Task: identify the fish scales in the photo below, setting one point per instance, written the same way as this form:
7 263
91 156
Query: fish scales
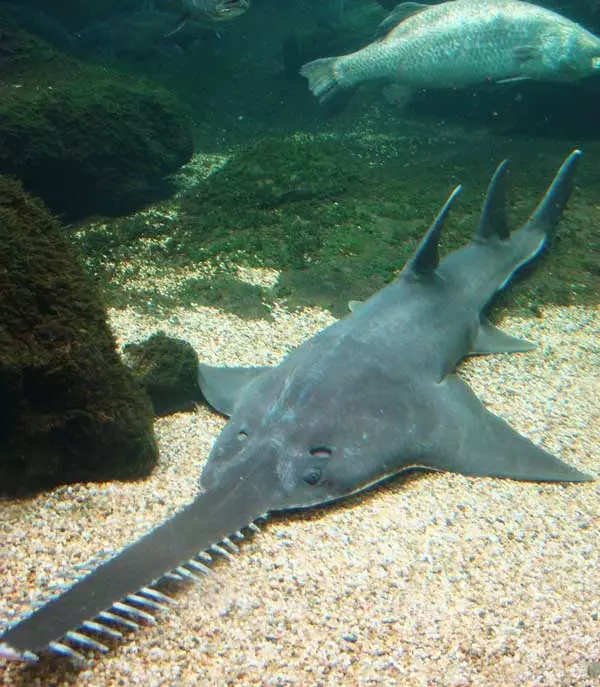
461 43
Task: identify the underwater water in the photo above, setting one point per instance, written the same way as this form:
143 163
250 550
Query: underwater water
210 196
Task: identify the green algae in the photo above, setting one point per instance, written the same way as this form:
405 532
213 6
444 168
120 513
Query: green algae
69 410
84 138
339 216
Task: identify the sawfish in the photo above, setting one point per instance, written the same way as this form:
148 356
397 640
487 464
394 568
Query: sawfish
370 396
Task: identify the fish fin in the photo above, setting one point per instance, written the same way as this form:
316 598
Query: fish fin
322 78
185 18
474 441
492 222
397 94
397 16
223 386
356 306
490 339
547 214
525 53
514 79
426 257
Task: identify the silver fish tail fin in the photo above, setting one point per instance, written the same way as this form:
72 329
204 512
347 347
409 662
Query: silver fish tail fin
322 79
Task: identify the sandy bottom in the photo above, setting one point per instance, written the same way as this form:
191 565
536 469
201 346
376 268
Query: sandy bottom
436 579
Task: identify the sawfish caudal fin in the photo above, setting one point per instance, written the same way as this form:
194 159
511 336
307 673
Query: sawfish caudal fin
546 216
223 386
474 441
544 220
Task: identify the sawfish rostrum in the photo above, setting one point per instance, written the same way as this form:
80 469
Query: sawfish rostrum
368 397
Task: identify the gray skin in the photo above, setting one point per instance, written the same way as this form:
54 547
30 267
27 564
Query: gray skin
462 43
370 396
375 393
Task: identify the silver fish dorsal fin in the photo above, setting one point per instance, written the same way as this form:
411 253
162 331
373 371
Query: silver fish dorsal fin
397 16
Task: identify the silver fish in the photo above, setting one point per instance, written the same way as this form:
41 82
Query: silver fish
462 43
207 12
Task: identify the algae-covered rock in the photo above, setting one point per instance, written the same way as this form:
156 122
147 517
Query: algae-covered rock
273 172
85 139
69 409
168 369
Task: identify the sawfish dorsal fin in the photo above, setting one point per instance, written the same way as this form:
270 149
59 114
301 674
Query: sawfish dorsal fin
492 222
427 257
223 386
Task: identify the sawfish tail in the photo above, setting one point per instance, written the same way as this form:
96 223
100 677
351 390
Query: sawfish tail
528 241
546 216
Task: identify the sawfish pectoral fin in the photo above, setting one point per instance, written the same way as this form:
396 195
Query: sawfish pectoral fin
477 442
490 339
223 386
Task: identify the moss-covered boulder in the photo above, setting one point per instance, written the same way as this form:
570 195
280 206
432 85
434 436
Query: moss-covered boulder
83 138
69 409
168 369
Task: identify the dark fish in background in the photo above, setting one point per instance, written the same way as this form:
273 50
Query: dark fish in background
207 11
462 43
148 32
135 34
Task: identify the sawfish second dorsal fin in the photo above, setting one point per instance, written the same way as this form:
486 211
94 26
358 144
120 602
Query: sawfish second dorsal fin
427 257
492 222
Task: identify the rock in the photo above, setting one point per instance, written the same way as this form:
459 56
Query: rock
168 369
69 409
83 138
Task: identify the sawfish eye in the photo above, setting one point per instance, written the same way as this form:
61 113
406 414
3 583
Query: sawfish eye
320 452
312 476
242 436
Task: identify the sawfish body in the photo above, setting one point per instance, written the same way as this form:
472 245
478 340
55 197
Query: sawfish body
368 397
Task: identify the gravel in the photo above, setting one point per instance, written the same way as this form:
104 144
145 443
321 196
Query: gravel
433 579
